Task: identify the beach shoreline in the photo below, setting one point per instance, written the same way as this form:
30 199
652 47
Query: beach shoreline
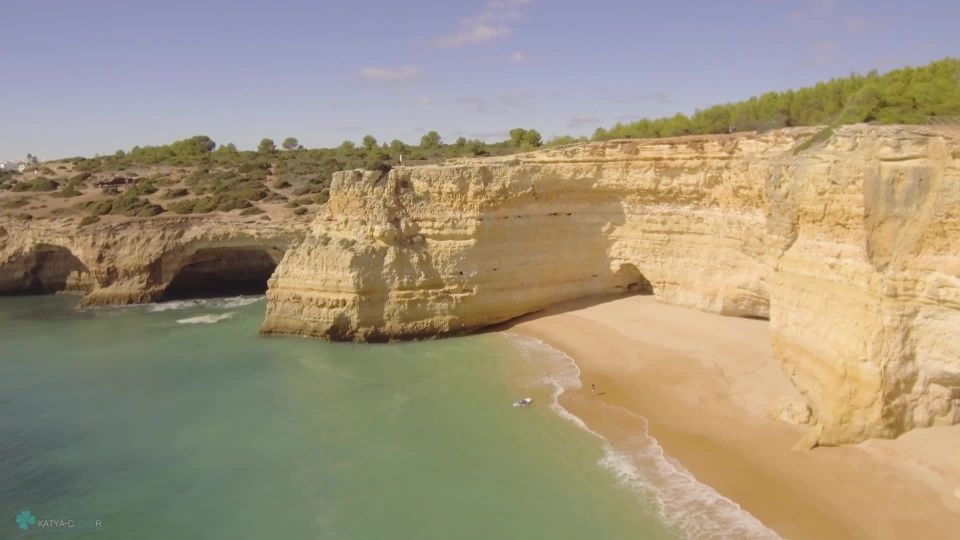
702 385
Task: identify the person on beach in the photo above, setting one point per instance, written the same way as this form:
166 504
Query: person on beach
593 387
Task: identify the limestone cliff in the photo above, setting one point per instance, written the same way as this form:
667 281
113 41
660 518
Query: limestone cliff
851 248
865 281
140 260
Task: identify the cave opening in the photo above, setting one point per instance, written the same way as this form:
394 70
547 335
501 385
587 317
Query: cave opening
629 278
51 269
217 272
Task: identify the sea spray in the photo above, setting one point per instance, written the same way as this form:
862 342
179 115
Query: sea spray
231 302
173 305
690 507
206 319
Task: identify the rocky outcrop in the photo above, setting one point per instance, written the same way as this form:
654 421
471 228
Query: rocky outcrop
140 260
433 250
865 280
850 248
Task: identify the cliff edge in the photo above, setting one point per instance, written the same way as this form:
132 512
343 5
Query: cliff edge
851 248
142 260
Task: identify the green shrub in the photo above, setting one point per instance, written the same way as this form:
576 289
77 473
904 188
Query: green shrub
125 205
228 203
906 95
97 208
254 166
89 220
141 188
175 193
78 179
181 207
204 205
37 184
92 165
66 192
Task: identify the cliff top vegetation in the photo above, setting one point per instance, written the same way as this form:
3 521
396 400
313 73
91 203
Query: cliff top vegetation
196 176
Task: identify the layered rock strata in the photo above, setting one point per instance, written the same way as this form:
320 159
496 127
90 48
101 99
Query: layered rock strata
140 260
851 248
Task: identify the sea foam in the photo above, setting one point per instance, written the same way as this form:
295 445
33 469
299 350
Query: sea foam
231 302
206 319
691 508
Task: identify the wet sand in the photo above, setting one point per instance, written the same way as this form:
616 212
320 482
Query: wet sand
702 385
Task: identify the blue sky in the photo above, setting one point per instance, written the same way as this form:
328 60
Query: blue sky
94 76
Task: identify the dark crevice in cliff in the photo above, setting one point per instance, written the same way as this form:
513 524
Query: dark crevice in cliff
45 270
629 278
214 272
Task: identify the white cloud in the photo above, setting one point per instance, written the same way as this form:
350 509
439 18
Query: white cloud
519 57
480 33
390 74
494 22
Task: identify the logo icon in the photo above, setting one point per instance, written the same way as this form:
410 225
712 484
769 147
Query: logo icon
25 519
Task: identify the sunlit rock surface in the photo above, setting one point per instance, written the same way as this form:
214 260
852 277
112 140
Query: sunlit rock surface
851 248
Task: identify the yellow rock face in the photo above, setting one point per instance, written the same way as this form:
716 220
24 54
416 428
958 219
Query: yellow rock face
865 297
851 249
134 261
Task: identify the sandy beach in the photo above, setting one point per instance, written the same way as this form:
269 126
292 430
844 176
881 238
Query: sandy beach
702 385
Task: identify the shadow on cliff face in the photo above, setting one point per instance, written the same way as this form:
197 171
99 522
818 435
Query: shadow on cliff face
629 278
559 233
220 271
46 269
540 241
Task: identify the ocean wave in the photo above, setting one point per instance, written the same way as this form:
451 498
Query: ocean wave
686 505
173 305
231 302
206 319
234 302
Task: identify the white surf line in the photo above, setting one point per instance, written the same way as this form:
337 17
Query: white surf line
229 302
206 319
683 503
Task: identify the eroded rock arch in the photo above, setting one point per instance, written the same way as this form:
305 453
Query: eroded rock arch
217 271
629 278
46 269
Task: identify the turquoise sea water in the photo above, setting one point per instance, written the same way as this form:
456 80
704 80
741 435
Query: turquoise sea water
178 421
